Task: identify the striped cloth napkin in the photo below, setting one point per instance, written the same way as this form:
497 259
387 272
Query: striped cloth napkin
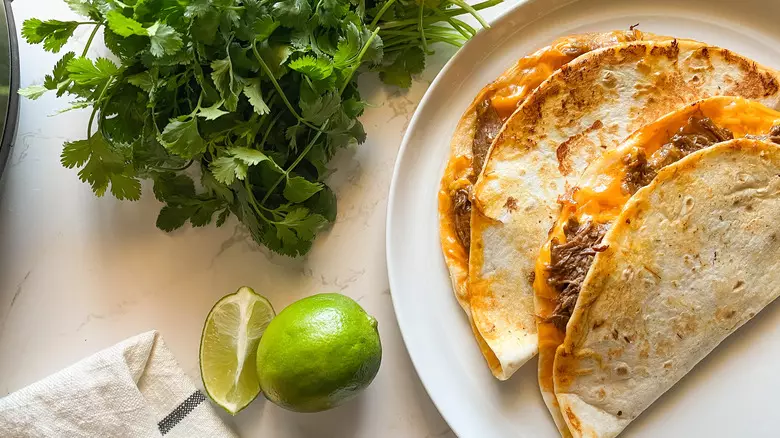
133 389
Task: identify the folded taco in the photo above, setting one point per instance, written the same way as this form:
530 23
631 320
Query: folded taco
580 112
690 258
589 209
473 135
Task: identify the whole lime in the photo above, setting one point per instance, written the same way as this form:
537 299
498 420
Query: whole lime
317 353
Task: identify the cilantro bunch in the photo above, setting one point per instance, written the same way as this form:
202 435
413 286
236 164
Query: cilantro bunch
250 98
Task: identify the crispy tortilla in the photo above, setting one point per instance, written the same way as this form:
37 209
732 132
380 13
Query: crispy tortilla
584 109
691 258
492 106
600 195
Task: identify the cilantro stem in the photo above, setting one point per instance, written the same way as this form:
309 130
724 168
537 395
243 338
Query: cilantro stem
462 27
84 53
359 59
433 31
174 169
252 200
436 19
268 130
279 88
91 37
471 11
421 28
405 42
95 108
292 166
381 12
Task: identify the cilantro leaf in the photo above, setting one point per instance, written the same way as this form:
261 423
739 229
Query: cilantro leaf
298 189
75 153
182 138
125 186
227 169
353 108
215 188
60 71
103 166
414 60
164 39
124 26
52 33
125 48
348 47
204 213
315 68
294 233
235 164
227 84
33 91
172 217
84 72
213 112
83 7
293 13
198 8
275 55
253 92
375 51
331 12
223 215
264 28
142 80
317 111
409 62
324 203
249 156
169 186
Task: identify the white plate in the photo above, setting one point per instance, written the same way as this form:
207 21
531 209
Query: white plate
728 394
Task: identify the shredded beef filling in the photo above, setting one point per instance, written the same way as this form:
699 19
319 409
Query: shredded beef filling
488 124
773 135
569 262
698 133
462 208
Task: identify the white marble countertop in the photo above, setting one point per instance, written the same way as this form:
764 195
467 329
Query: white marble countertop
80 273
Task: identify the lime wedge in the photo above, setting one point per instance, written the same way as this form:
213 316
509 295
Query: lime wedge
228 348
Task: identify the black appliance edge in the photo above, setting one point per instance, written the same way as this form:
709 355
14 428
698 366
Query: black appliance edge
12 118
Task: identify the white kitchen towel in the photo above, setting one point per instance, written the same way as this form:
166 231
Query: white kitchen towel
133 389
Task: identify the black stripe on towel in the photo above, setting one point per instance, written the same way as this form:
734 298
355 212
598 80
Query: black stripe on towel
181 411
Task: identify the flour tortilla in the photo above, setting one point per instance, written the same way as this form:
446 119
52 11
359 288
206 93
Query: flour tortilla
585 108
599 196
691 258
523 77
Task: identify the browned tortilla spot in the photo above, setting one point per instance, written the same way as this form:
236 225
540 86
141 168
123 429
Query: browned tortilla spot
562 153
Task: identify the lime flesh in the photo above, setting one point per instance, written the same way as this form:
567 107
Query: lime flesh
228 347
317 353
